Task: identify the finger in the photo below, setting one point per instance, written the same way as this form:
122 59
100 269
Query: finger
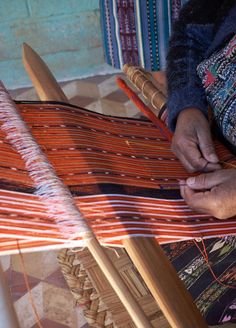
186 192
211 167
189 168
196 164
208 202
178 151
188 154
206 146
194 158
198 201
208 180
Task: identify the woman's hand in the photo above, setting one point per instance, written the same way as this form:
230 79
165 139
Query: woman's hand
192 142
212 193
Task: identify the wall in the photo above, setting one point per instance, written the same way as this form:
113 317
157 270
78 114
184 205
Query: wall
66 33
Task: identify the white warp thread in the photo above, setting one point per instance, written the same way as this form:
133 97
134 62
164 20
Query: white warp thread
52 191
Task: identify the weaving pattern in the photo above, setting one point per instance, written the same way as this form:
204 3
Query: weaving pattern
137 32
218 77
121 172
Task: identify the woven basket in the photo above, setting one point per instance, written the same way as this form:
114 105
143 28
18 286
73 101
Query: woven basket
102 308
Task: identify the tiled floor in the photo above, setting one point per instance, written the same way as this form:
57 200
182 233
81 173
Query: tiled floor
51 296
53 300
99 93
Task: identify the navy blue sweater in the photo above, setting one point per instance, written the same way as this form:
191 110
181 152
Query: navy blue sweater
203 27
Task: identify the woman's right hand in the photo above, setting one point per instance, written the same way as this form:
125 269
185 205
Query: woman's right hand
192 142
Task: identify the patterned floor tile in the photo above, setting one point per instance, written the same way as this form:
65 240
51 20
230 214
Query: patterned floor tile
50 324
96 106
38 264
131 110
57 279
58 304
24 308
5 262
16 283
81 88
82 101
110 107
117 95
107 86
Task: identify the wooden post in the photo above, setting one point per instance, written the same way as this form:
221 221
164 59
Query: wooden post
8 317
117 283
44 82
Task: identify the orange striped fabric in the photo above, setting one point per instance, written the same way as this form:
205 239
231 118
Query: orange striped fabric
121 172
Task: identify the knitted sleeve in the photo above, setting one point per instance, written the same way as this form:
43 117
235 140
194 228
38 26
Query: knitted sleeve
192 35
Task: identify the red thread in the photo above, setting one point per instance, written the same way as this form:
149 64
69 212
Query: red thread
206 258
144 109
28 287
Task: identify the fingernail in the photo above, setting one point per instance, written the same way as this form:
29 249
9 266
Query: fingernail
191 181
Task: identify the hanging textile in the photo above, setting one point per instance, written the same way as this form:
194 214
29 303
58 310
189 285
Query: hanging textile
137 32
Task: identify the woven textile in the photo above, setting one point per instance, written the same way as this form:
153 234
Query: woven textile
137 32
218 78
217 302
123 177
121 172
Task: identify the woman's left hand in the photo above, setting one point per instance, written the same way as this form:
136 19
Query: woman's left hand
212 193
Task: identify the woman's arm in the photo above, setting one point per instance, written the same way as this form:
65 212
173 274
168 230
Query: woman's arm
191 36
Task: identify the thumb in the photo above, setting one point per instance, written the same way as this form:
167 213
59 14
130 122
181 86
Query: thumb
198 201
207 180
206 145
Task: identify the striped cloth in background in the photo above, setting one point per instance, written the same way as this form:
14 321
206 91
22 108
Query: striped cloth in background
137 31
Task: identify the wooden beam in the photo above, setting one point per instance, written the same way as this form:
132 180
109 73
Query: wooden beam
8 316
41 77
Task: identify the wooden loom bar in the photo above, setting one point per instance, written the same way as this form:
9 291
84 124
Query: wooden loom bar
150 88
7 313
43 77
47 84
144 252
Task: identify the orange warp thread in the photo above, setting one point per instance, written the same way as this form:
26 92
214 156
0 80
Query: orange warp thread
36 314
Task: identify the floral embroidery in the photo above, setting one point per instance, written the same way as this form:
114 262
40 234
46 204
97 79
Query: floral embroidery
218 75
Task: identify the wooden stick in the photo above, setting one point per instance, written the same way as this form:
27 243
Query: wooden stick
90 240
120 288
41 77
7 312
153 91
